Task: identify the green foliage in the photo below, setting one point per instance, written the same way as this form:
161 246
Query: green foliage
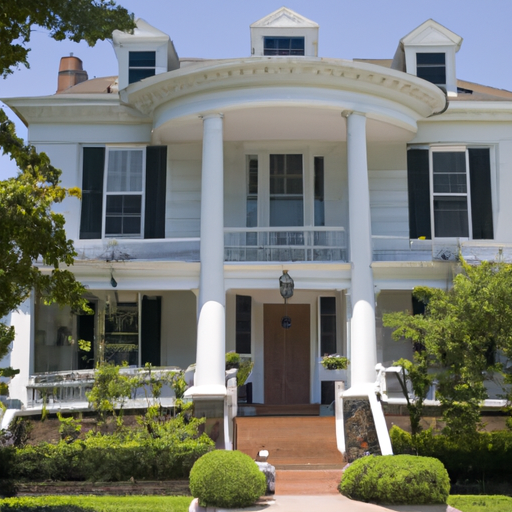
168 452
472 456
4 389
69 428
226 479
461 331
481 503
396 479
96 503
109 392
89 20
234 360
334 362
416 374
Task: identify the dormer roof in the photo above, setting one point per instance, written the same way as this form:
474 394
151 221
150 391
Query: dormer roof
432 33
142 33
284 18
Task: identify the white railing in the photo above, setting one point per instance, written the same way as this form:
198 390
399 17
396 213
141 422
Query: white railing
66 387
285 244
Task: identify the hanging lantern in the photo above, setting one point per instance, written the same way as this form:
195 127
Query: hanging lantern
286 285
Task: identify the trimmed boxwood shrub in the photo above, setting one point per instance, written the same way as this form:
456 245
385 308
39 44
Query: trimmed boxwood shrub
397 480
226 479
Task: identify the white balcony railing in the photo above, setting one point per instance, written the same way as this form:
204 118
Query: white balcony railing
285 244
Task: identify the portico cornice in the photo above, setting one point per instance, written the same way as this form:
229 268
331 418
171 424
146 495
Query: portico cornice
212 76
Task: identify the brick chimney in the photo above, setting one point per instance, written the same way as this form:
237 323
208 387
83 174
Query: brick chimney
70 73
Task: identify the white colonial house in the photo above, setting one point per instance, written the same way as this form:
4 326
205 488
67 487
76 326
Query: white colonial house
204 180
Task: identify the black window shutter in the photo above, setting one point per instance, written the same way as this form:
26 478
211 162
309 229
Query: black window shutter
156 172
481 200
151 316
418 184
92 192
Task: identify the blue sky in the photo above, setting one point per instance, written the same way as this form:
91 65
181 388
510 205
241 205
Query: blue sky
348 29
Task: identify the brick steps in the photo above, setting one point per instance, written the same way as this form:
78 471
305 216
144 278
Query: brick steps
302 448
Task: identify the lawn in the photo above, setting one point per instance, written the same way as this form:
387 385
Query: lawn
481 503
97 504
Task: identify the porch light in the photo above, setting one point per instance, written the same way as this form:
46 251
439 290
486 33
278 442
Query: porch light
286 285
113 282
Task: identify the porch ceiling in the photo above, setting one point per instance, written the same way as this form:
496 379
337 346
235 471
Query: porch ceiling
279 123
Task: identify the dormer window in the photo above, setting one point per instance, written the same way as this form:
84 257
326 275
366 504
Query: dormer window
283 46
431 67
141 65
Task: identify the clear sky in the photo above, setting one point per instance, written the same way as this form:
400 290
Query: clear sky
348 29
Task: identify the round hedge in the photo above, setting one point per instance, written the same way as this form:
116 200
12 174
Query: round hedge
396 480
226 479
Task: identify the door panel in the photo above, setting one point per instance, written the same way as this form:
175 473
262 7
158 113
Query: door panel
287 354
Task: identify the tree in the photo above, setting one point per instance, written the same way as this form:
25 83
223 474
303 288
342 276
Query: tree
30 232
462 331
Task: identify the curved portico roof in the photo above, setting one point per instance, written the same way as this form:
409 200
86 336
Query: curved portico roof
259 82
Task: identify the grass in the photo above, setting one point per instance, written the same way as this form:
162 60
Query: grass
97 504
481 503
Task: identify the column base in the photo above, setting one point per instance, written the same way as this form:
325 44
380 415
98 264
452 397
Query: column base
360 420
206 392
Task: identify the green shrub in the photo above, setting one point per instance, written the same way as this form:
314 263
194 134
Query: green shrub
396 479
168 452
466 456
226 479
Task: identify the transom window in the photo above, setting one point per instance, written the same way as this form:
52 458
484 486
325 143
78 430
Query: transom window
124 192
431 67
283 46
141 65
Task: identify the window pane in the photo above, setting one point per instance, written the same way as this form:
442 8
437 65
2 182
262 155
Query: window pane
252 213
131 225
450 172
283 46
451 217
434 74
327 325
113 225
125 169
123 215
243 324
136 75
142 59
319 191
286 211
430 58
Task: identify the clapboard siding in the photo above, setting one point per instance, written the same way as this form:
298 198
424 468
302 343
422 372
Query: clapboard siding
388 202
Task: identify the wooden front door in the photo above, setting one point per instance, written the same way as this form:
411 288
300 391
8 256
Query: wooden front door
286 354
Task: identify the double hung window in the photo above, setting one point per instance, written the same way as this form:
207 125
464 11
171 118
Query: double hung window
141 65
431 67
124 196
286 190
123 192
450 194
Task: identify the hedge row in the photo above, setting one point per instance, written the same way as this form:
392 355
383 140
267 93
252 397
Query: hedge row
463 456
168 454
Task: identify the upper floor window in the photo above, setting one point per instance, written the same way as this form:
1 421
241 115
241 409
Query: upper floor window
431 67
286 191
450 192
283 46
141 65
124 196
123 192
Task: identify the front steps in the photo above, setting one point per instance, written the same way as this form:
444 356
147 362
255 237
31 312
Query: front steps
302 448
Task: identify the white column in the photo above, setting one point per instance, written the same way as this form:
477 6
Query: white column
363 354
211 328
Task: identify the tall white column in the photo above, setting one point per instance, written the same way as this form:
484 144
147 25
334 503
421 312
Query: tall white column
363 356
211 328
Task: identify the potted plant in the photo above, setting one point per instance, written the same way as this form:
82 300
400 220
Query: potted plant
334 362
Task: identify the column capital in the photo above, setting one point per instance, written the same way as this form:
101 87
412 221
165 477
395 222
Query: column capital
347 113
211 116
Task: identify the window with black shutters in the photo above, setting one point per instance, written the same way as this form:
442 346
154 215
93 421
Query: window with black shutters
450 192
123 192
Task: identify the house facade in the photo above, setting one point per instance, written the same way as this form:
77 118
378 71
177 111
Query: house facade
203 181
